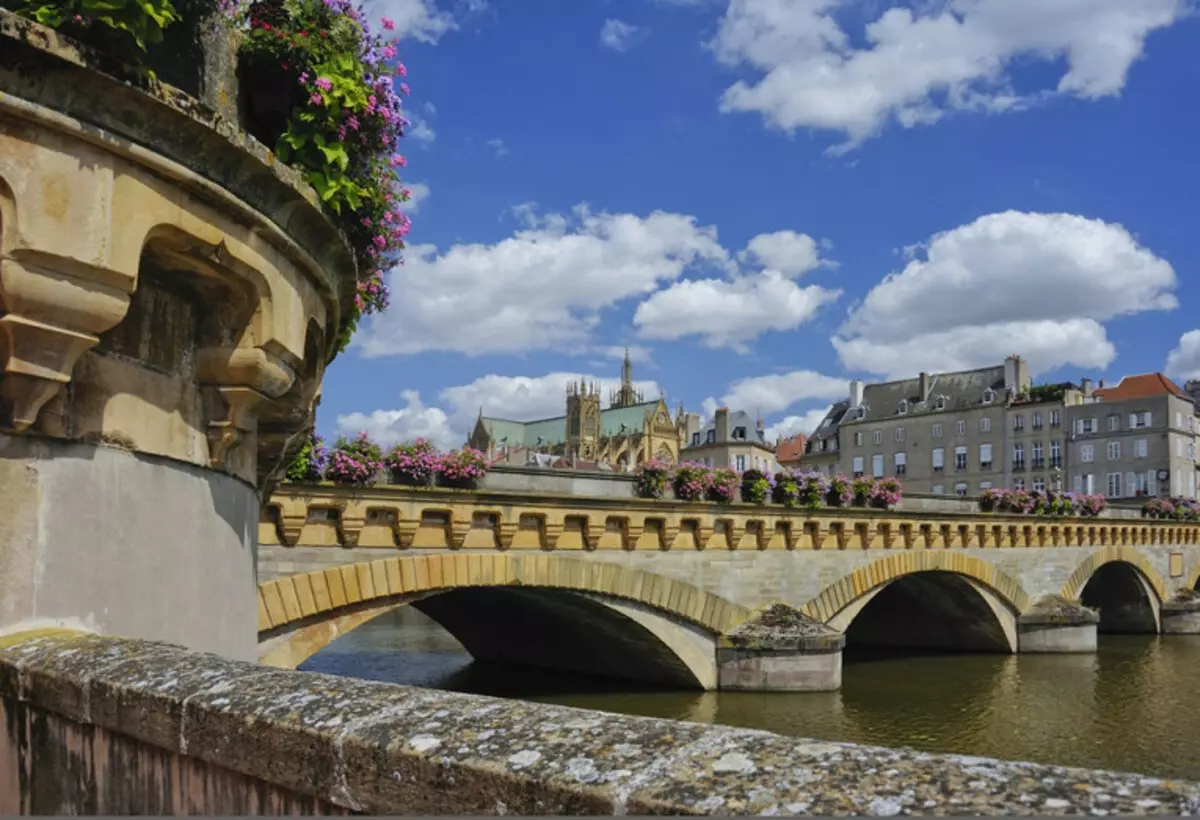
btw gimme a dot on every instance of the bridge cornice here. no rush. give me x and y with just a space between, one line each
402 517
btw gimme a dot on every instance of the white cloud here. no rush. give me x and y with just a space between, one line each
789 426
412 421
419 128
637 353
539 289
729 312
792 254
1035 284
918 64
498 147
779 391
617 34
416 19
418 192
520 398
1183 362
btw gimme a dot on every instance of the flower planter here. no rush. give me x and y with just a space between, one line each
269 93
403 479
987 506
859 501
458 483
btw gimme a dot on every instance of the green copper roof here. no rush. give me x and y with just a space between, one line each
553 431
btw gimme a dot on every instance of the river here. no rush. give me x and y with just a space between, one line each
1131 706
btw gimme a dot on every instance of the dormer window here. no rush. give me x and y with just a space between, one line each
903 408
860 413
739 433
989 396
939 403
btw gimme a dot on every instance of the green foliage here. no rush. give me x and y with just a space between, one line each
135 23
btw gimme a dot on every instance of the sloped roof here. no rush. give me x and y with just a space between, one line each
961 390
829 425
791 449
1140 387
737 418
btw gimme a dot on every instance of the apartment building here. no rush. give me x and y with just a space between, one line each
733 440
1136 438
951 432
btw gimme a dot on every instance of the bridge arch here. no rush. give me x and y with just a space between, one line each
1123 584
548 610
948 600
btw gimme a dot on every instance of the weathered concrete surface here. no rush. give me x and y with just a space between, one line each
1181 614
127 544
1055 624
389 749
780 649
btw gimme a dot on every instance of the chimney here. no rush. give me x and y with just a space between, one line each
923 385
721 424
1016 375
856 393
1086 386
1102 384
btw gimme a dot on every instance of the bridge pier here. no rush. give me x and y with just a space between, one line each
780 649
1056 625
1181 617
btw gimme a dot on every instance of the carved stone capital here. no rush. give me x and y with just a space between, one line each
245 367
231 418
53 312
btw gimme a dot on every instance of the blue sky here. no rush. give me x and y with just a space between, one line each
764 198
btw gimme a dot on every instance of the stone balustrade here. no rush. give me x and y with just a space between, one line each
103 725
406 518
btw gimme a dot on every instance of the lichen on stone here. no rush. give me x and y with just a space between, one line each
1055 610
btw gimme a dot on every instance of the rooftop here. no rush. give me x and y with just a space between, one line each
1142 386
791 449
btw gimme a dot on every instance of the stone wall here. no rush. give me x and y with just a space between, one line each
97 725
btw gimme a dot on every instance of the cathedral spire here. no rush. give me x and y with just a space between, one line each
627 371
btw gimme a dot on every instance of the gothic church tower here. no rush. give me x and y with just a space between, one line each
583 420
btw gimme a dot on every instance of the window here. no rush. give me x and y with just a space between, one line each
960 489
1019 421
1018 456
877 436
989 396
985 425
1038 455
939 403
1140 448
1018 483
1179 419
739 433
939 489
1139 419
939 458
1114 485
1085 426
1078 483
711 437
1055 454
1114 450
1055 418
960 427
1140 484
899 434
900 461
1179 448
1089 483
1037 421
860 413
903 408
1039 484
1114 422
1087 452
985 485
960 458
877 466
695 439
985 456
937 430
857 467
858 439
740 463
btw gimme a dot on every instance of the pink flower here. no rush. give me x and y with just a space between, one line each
388 24
316 99
324 83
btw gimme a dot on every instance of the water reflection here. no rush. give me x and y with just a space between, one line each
1127 707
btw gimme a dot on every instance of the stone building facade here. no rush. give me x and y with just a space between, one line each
961 433
732 440
628 432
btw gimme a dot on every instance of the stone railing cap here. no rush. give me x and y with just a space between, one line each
389 749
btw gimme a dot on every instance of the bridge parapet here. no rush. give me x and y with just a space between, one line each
408 518
207 735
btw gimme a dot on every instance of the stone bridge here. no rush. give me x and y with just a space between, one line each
708 596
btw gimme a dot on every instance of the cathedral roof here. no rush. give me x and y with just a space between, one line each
553 431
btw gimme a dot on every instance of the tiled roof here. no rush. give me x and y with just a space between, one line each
829 425
791 449
1140 387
